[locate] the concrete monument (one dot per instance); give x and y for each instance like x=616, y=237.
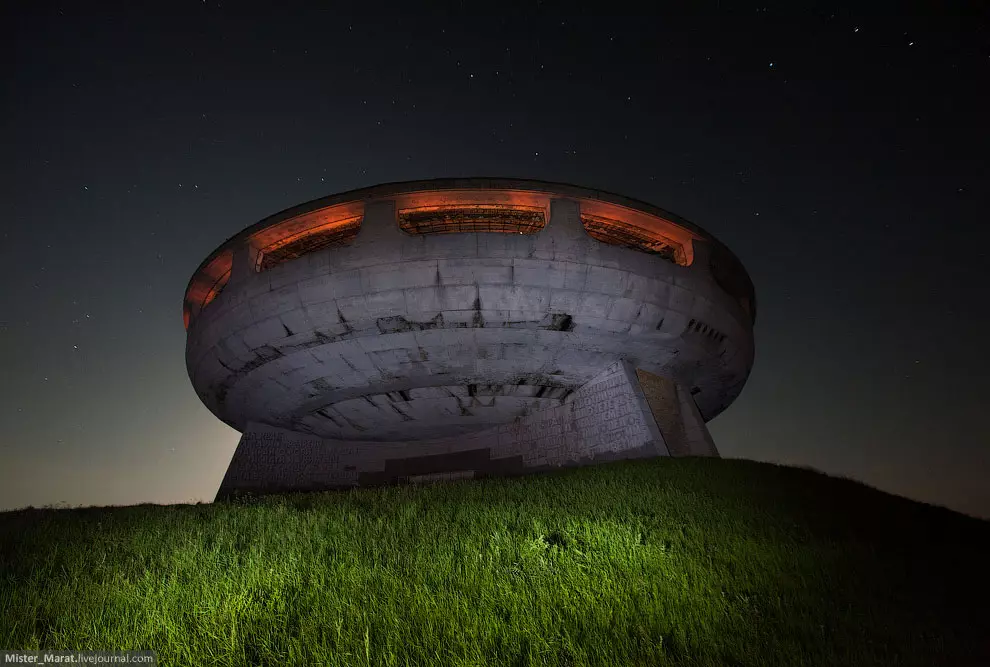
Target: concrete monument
x=457, y=328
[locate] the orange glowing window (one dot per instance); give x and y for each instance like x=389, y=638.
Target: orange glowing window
x=207, y=284
x=616, y=232
x=216, y=288
x=454, y=218
x=328, y=235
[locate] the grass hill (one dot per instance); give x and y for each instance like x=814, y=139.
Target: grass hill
x=647, y=562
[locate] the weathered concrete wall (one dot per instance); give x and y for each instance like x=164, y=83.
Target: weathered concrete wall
x=701, y=443
x=421, y=337
x=676, y=414
x=608, y=418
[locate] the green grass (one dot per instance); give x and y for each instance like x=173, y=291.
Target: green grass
x=649, y=562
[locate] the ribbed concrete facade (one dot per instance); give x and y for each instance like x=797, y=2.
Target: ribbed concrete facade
x=413, y=342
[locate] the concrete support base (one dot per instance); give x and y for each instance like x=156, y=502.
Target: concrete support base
x=622, y=413
x=677, y=415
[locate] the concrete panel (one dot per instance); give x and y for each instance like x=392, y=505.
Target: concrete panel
x=575, y=275
x=579, y=304
x=600, y=324
x=399, y=276
x=462, y=354
x=323, y=314
x=237, y=316
x=564, y=238
x=288, y=273
x=454, y=319
x=681, y=300
x=422, y=301
x=378, y=241
x=605, y=280
x=516, y=297
x=235, y=345
x=674, y=323
x=505, y=320
x=437, y=299
x=538, y=273
x=623, y=309
x=657, y=292
x=504, y=245
x=347, y=284
x=529, y=318
x=471, y=271
x=649, y=317
x=317, y=263
x=263, y=333
x=320, y=289
x=485, y=337
x=611, y=257
x=209, y=371
x=354, y=308
x=385, y=304
x=694, y=425
x=297, y=321
x=210, y=335
x=231, y=296
x=275, y=302
x=677, y=416
x=255, y=284
x=447, y=246
x=390, y=341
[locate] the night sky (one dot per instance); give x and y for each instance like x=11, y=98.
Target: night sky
x=842, y=154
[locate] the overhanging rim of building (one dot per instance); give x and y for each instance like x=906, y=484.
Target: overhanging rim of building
x=384, y=190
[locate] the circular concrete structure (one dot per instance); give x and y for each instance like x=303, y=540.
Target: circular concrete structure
x=429, y=309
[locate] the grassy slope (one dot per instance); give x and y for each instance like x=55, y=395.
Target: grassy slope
x=656, y=562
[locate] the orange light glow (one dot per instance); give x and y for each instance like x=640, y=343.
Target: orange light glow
x=504, y=218
x=612, y=223
x=616, y=232
x=329, y=234
x=209, y=282
x=216, y=288
x=439, y=211
x=512, y=198
x=287, y=230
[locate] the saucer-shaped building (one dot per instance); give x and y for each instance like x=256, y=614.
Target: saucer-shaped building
x=464, y=327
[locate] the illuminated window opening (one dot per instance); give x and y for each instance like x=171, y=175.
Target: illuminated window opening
x=206, y=285
x=329, y=235
x=216, y=288
x=616, y=232
x=463, y=218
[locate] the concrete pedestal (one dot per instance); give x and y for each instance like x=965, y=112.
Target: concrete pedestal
x=621, y=413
